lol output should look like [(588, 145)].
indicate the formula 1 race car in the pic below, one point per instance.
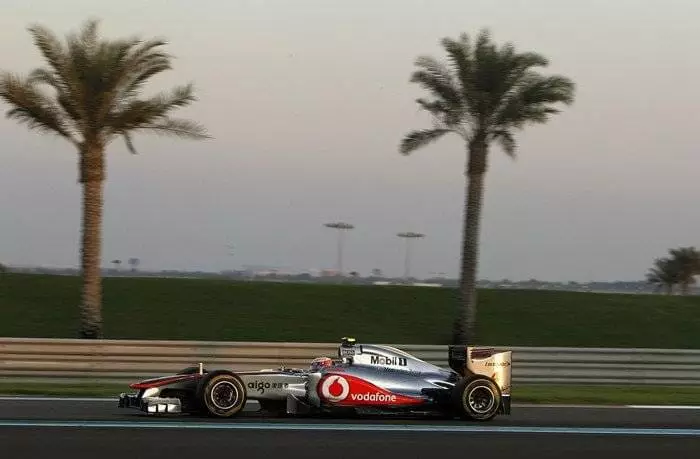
[(363, 379)]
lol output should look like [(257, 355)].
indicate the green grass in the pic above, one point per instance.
[(534, 394), (203, 309), (607, 395)]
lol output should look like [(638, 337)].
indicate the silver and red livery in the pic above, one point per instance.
[(363, 379)]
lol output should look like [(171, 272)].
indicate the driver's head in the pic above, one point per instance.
[(321, 362)]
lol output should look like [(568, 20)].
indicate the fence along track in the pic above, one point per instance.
[(68, 360)]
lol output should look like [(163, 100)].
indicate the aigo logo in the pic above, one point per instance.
[(335, 388)]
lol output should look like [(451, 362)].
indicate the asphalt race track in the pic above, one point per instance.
[(79, 427)]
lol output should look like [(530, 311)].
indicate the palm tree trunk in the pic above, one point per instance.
[(465, 326), (92, 178)]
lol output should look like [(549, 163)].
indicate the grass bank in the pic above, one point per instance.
[(204, 309)]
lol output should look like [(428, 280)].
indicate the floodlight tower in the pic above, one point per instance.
[(341, 227), (409, 236)]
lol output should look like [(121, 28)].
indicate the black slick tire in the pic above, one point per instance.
[(221, 394), (476, 398)]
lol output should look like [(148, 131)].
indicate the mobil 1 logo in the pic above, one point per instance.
[(382, 360)]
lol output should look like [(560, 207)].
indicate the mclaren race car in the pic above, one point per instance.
[(363, 379)]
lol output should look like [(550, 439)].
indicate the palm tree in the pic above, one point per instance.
[(483, 94), (680, 268), (664, 274), (687, 263), (95, 97)]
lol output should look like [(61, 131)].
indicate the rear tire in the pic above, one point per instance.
[(477, 398), (221, 394)]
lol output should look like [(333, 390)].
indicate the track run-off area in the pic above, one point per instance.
[(43, 426)]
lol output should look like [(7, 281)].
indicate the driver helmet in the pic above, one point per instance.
[(321, 362)]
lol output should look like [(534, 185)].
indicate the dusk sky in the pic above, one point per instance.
[(307, 102)]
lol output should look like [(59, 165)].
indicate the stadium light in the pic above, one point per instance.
[(341, 227), (409, 236)]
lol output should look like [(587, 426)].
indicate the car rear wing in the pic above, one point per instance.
[(467, 361)]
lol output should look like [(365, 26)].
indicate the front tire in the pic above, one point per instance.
[(222, 394), (477, 398)]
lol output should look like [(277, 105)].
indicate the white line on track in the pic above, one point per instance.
[(662, 407), (610, 407), (354, 427), (57, 399)]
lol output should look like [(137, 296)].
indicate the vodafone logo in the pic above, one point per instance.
[(376, 397), (349, 390), (335, 388)]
